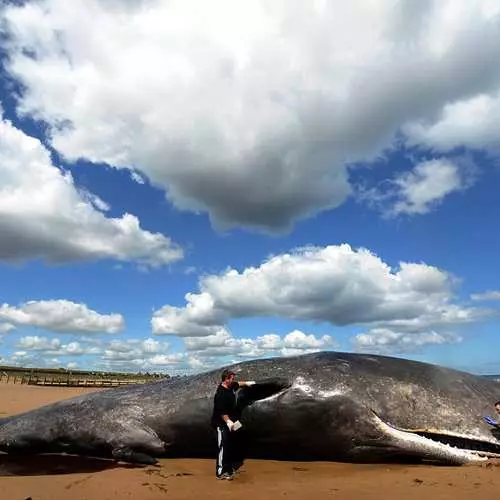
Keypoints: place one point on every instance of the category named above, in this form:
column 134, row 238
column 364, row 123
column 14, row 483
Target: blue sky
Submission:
column 177, row 195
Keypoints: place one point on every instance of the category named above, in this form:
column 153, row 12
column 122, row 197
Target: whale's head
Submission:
column 297, row 418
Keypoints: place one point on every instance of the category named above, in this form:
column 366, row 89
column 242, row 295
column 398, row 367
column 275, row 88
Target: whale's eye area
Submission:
column 262, row 389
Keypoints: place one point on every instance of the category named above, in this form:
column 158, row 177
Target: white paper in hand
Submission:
column 237, row 425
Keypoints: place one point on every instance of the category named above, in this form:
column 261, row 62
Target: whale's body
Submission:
column 321, row 406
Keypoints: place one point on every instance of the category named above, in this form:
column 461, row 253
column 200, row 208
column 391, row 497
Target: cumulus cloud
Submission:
column 19, row 358
column 421, row 189
column 217, row 101
column 54, row 347
column 6, row 328
column 386, row 341
column 469, row 122
column 36, row 343
column 167, row 359
column 112, row 350
column 153, row 355
column 62, row 316
column 132, row 349
column 44, row 215
column 334, row 284
column 116, row 354
column 39, row 360
column 149, row 354
column 222, row 343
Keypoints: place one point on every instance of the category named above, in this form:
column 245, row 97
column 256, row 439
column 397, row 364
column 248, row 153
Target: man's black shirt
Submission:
column 225, row 404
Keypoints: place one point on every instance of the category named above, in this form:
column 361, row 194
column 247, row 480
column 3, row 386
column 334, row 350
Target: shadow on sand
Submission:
column 49, row 464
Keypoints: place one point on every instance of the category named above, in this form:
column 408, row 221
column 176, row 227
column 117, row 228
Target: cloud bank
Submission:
column 43, row 215
column 62, row 316
column 412, row 304
column 216, row 101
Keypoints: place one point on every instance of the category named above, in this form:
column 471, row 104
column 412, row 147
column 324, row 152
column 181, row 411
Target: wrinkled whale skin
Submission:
column 320, row 406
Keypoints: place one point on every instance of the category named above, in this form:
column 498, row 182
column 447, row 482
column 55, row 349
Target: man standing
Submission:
column 225, row 419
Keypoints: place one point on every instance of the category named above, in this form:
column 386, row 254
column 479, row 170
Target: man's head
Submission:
column 227, row 377
column 497, row 407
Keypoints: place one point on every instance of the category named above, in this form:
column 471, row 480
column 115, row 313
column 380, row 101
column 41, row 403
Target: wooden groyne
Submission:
column 69, row 381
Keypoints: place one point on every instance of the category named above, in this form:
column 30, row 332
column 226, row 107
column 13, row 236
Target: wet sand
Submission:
column 54, row 477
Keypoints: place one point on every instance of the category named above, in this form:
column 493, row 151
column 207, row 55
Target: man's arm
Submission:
column 246, row 383
column 241, row 383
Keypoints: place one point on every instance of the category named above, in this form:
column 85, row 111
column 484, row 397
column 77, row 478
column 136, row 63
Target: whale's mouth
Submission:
column 471, row 444
column 262, row 389
column 441, row 445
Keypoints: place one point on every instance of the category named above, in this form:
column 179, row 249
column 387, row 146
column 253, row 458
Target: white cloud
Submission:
column 217, row 101
column 77, row 349
column 334, row 284
column 152, row 355
column 297, row 342
column 426, row 185
column 146, row 355
column 19, row 356
column 136, row 177
column 222, row 343
column 36, row 343
column 60, row 222
column 6, row 328
column 132, row 349
column 489, row 295
column 116, row 354
column 383, row 340
column 167, row 359
column 421, row 189
column 470, row 122
column 62, row 316
column 54, row 347
column 39, row 359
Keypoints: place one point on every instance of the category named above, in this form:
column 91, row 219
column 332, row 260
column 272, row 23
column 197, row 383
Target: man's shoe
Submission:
column 236, row 472
column 226, row 476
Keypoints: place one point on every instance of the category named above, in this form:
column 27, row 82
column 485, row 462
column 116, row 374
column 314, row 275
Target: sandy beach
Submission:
column 63, row 477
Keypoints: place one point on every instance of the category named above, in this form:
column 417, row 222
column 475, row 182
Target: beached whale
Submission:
column 322, row 406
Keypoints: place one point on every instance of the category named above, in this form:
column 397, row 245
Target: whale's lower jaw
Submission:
column 438, row 446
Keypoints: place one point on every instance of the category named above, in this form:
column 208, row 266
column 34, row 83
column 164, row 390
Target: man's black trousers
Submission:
column 229, row 450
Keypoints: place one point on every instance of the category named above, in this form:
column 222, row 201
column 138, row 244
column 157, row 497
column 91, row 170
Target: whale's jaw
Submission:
column 439, row 445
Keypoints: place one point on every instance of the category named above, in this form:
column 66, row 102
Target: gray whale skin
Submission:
column 322, row 406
